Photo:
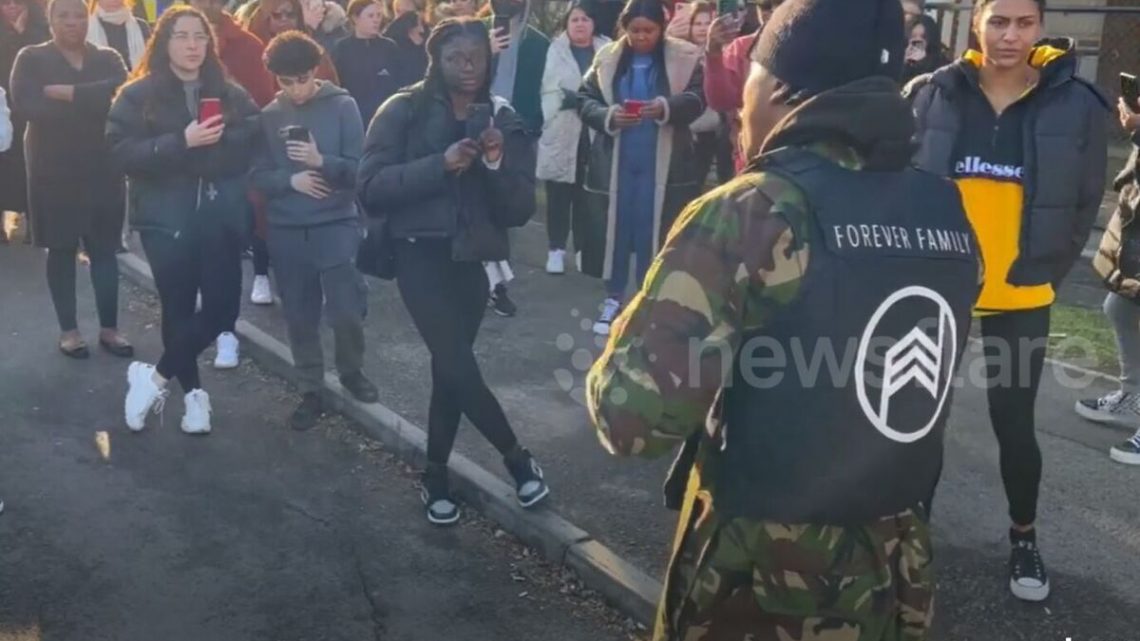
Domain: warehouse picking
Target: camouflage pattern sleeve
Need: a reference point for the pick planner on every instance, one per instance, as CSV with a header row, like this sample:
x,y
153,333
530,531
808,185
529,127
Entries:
x,y
734,257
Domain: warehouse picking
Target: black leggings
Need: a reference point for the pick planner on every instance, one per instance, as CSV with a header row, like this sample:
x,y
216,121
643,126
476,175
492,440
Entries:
x,y
104,280
1014,345
208,261
260,256
447,301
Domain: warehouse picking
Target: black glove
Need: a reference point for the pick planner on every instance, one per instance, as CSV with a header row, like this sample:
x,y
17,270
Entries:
x,y
569,99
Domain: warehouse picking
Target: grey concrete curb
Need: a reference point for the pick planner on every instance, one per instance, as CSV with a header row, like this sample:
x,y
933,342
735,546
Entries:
x,y
622,584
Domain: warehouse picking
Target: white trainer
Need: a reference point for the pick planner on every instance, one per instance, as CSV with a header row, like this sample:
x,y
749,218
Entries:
x,y
262,293
197,417
143,395
228,351
610,309
556,262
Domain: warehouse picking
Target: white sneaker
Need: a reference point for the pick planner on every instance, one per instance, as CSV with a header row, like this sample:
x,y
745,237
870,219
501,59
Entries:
x,y
197,418
228,349
556,262
142,395
610,310
262,294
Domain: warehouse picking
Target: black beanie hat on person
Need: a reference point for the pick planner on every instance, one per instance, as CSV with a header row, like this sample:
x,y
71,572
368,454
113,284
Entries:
x,y
812,46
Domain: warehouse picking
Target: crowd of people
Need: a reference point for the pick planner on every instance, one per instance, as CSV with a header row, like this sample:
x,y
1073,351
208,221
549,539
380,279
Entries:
x,y
403,139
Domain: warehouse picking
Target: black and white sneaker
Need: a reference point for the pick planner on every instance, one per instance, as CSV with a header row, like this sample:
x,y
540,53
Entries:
x,y
531,488
500,302
436,494
1118,408
1028,579
1127,452
610,310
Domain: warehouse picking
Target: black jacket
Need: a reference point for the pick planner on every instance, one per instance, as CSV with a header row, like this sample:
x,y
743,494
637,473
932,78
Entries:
x,y
369,70
1065,154
168,181
402,177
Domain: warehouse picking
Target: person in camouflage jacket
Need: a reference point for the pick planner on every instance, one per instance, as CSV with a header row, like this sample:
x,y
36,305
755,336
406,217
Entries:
x,y
735,258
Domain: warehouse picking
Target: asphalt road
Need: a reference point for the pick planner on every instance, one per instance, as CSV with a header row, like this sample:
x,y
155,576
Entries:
x,y
254,533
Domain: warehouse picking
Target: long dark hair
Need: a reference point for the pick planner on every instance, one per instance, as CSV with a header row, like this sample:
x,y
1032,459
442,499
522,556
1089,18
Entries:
x,y
156,61
933,38
652,10
445,32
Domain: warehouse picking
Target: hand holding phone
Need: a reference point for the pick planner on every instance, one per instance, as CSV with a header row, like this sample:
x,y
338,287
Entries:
x,y
478,120
1130,91
209,108
205,133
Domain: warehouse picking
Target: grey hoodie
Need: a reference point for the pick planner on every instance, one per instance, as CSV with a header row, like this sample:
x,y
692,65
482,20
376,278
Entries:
x,y
334,121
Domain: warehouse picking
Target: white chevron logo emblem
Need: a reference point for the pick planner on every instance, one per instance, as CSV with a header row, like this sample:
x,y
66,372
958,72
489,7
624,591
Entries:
x,y
917,359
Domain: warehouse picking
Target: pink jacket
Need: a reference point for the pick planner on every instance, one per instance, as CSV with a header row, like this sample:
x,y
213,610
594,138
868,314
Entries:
x,y
725,75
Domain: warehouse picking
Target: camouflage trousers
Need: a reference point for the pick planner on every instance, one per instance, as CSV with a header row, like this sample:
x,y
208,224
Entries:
x,y
748,580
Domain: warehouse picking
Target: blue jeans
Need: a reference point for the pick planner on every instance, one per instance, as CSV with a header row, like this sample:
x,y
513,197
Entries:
x,y
633,233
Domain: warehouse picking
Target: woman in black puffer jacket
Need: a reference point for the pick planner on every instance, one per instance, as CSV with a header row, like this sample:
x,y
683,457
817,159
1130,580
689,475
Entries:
x,y
188,200
448,198
1025,139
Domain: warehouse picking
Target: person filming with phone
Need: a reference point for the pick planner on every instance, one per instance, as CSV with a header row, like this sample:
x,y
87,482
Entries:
x,y
641,95
185,135
306,167
448,168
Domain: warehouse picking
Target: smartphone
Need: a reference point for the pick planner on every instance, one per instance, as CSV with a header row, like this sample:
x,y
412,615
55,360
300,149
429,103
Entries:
x,y
296,133
208,108
500,23
633,107
1130,90
478,119
727,7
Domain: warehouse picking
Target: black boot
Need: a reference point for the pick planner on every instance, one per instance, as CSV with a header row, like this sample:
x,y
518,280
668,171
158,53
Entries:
x,y
307,414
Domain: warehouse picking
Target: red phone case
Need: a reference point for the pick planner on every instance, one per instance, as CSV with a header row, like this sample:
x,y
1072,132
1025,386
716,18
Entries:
x,y
633,107
208,108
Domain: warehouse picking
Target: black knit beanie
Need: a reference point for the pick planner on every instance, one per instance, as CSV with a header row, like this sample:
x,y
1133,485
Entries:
x,y
812,46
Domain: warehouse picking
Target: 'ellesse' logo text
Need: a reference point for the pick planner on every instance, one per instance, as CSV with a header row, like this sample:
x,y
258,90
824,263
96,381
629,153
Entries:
x,y
975,167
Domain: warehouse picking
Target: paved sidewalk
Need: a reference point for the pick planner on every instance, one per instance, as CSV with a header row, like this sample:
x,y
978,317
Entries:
x,y
254,533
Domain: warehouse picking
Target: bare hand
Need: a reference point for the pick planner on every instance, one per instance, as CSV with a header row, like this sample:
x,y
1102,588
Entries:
x,y
66,93
500,40
460,155
622,119
204,134
311,184
653,110
1129,119
305,153
492,143
723,30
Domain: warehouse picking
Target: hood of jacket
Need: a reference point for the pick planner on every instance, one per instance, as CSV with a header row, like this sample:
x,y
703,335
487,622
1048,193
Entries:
x,y
868,116
1055,58
335,18
326,91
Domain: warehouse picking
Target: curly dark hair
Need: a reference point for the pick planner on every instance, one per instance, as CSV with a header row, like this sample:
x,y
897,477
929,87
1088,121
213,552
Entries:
x,y
292,54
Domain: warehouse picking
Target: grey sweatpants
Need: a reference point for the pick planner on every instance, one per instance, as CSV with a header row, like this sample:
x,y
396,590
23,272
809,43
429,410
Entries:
x,y
1124,314
314,264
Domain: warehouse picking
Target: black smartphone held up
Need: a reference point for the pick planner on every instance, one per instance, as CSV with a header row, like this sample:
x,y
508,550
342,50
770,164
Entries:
x,y
296,133
500,22
1130,91
478,119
